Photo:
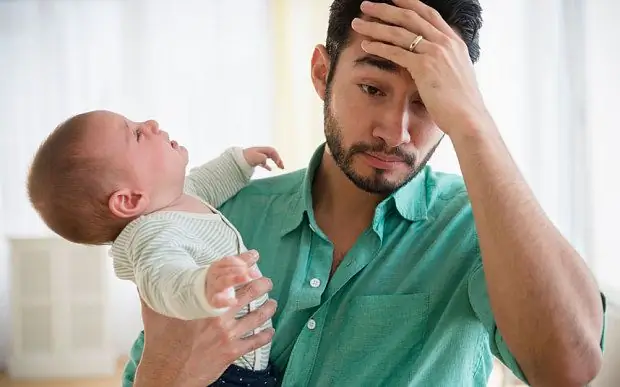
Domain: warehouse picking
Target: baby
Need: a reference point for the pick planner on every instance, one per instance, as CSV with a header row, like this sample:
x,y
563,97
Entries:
x,y
100,178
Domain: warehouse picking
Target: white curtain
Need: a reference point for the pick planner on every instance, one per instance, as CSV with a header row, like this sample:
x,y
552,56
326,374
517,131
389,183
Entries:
x,y
202,68
602,94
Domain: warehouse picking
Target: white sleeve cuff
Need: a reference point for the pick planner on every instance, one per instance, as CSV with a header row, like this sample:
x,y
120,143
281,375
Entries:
x,y
237,153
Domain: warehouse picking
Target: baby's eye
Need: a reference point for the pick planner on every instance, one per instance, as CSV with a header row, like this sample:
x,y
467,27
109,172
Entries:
x,y
138,134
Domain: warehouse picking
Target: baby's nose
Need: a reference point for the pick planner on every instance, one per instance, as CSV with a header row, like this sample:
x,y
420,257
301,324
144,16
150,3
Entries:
x,y
153,126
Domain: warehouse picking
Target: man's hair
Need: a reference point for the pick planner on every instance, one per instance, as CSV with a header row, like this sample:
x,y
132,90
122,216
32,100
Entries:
x,y
68,187
463,15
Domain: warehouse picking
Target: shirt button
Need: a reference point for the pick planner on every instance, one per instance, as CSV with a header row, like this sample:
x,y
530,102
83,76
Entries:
x,y
311,324
315,282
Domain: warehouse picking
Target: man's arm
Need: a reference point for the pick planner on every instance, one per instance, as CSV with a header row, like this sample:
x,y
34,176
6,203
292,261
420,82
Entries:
x,y
545,301
221,178
543,297
195,353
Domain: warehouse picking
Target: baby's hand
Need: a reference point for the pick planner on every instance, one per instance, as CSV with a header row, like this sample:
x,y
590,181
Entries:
x,y
258,156
226,274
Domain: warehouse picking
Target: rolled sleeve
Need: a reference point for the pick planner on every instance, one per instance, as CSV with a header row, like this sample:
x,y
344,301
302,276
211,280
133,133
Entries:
x,y
479,299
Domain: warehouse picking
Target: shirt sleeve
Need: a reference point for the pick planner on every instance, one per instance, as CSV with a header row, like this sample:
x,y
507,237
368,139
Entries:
x,y
479,299
168,278
220,179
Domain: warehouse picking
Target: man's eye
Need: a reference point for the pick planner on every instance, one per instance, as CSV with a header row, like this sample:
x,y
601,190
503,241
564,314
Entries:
x,y
371,90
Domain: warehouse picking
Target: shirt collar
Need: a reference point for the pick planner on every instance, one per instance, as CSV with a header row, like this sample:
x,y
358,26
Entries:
x,y
410,200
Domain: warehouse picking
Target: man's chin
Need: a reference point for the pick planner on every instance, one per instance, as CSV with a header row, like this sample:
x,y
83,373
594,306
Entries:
x,y
374,184
379,181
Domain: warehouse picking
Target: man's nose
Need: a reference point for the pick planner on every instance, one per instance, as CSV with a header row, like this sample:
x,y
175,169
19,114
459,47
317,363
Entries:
x,y
394,128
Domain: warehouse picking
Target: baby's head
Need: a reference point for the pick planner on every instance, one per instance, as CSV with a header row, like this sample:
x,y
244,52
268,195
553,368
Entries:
x,y
98,171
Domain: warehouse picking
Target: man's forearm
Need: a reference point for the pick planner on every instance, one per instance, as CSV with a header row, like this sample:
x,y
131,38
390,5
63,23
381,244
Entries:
x,y
544,298
156,371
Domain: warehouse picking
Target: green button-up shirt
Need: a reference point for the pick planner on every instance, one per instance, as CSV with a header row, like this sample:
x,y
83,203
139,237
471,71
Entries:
x,y
408,305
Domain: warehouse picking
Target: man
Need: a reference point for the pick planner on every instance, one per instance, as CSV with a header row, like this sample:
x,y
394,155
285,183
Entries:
x,y
385,272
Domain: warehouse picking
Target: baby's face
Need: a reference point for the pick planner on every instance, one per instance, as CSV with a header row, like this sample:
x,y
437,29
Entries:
x,y
148,161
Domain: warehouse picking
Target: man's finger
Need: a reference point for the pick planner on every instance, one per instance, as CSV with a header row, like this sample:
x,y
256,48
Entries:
x,y
254,342
250,292
429,14
253,290
397,36
404,17
254,319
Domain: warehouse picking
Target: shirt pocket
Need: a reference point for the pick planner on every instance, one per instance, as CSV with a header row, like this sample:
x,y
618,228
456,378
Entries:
x,y
380,338
382,318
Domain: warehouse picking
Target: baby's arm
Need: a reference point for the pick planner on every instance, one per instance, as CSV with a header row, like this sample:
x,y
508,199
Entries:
x,y
220,179
171,282
173,285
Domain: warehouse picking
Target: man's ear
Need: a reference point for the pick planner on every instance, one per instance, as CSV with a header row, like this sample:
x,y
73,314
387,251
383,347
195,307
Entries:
x,y
126,203
320,69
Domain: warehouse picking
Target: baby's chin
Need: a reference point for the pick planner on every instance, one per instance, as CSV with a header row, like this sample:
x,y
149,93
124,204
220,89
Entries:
x,y
183,150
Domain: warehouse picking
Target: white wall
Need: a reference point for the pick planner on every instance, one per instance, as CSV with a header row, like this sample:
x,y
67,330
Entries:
x,y
4,293
602,95
202,68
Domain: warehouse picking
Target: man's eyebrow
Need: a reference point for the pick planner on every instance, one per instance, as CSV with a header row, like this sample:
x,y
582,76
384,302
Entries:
x,y
377,62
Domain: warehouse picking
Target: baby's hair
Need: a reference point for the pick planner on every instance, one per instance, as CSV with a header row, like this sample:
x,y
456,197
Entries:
x,y
70,188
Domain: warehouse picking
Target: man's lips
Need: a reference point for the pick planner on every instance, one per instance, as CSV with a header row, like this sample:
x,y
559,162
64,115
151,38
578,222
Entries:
x,y
381,161
386,158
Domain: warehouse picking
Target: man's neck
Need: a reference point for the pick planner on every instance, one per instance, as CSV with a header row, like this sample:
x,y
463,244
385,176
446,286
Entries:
x,y
337,197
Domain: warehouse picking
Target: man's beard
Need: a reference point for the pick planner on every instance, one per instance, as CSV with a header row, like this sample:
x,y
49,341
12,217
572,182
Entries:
x,y
376,183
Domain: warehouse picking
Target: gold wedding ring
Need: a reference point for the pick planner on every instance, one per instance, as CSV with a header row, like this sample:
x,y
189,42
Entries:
x,y
415,42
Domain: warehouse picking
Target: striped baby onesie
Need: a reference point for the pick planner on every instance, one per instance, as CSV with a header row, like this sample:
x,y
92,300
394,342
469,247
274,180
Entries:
x,y
167,253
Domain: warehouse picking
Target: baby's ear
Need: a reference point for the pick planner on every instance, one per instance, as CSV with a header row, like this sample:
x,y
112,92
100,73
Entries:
x,y
126,203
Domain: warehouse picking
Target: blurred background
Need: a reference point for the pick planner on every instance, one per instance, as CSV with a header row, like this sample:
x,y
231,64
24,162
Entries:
x,y
217,73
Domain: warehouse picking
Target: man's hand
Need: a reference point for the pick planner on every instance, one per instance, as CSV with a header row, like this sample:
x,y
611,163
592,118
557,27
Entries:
x,y
439,64
226,274
258,156
195,353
